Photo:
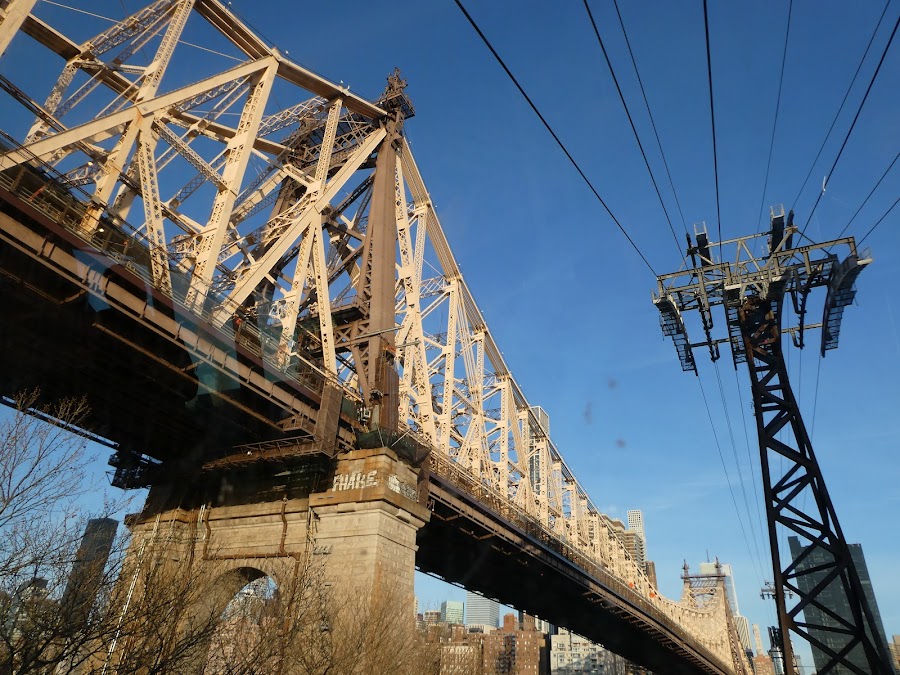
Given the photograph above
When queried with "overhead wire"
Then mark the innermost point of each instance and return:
(556, 138)
(737, 462)
(878, 222)
(631, 122)
(753, 467)
(737, 511)
(787, 33)
(712, 117)
(868, 196)
(754, 559)
(855, 119)
(637, 72)
(843, 103)
(81, 11)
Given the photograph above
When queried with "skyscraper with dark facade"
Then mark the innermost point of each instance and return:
(835, 600)
(87, 570)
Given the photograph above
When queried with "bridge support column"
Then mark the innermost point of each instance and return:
(340, 548)
(365, 527)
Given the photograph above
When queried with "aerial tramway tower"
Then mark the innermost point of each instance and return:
(754, 291)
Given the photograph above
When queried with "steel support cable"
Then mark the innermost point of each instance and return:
(843, 102)
(712, 117)
(631, 122)
(737, 511)
(553, 134)
(862, 104)
(872, 229)
(737, 463)
(756, 489)
(868, 196)
(637, 72)
(787, 33)
(812, 427)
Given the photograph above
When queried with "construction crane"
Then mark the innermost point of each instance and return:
(754, 290)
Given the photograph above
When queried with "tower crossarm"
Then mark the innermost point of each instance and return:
(781, 270)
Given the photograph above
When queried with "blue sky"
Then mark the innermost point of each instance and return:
(566, 297)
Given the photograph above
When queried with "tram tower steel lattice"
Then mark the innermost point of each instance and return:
(753, 290)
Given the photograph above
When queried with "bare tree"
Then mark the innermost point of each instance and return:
(43, 472)
(151, 608)
(126, 614)
(308, 627)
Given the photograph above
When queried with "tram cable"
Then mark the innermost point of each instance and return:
(868, 196)
(637, 72)
(841, 107)
(879, 221)
(855, 119)
(556, 138)
(712, 117)
(728, 481)
(787, 33)
(631, 122)
(737, 461)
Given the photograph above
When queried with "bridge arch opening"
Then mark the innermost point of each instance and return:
(250, 623)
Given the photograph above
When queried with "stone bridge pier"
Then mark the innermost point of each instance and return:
(342, 530)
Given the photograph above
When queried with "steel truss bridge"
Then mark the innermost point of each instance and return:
(237, 284)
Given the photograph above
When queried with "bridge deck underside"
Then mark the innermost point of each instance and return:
(146, 391)
(467, 544)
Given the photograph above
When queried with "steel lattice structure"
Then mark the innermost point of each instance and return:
(753, 291)
(309, 228)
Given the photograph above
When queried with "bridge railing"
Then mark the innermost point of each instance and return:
(490, 497)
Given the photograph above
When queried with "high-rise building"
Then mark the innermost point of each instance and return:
(481, 611)
(743, 631)
(87, 570)
(635, 539)
(636, 521)
(634, 544)
(572, 654)
(834, 598)
(432, 617)
(452, 611)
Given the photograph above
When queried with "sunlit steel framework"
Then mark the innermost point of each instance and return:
(306, 230)
(753, 290)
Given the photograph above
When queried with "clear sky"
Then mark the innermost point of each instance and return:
(566, 297)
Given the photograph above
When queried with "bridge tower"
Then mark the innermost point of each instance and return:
(754, 290)
(349, 507)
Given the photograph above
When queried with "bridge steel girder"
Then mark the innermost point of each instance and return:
(11, 19)
(243, 293)
(27, 233)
